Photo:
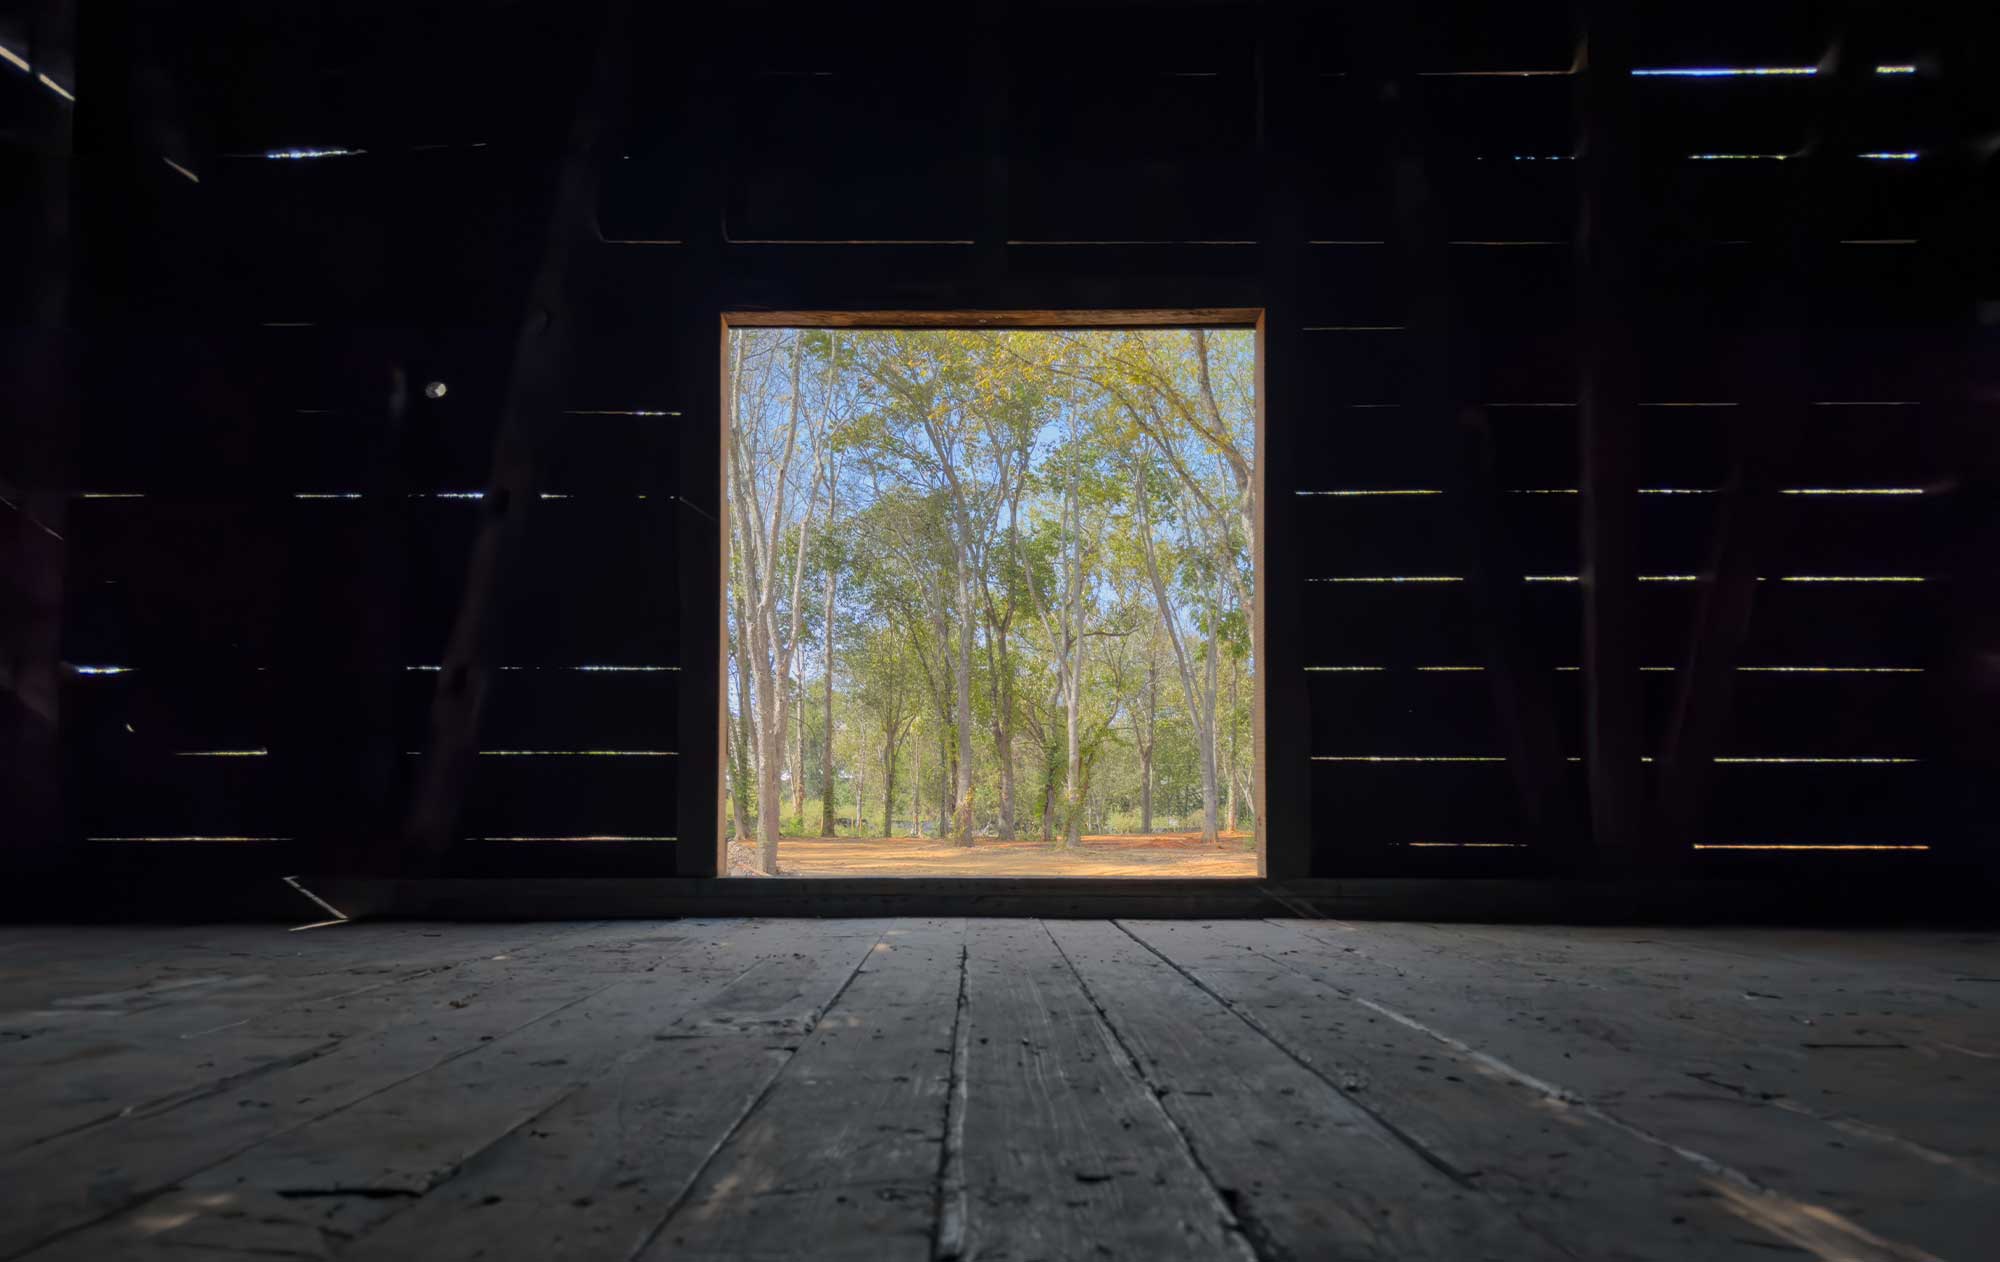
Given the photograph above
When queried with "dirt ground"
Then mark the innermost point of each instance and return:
(1156, 854)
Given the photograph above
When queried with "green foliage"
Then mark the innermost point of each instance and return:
(1025, 455)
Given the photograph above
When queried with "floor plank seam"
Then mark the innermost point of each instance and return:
(1802, 1223)
(1237, 1217)
(1851, 1126)
(693, 1181)
(1463, 1178)
(948, 1240)
(166, 1104)
(1855, 1127)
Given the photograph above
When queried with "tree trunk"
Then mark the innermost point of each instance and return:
(799, 756)
(1232, 745)
(1003, 748)
(1146, 747)
(962, 679)
(1003, 730)
(860, 797)
(774, 663)
(1049, 803)
(917, 790)
(1208, 794)
(1073, 769)
(1073, 685)
(1146, 789)
(889, 786)
(770, 757)
(1200, 699)
(732, 824)
(743, 747)
(826, 662)
(944, 783)
(1229, 799)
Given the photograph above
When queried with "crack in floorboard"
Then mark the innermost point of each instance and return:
(948, 1238)
(1467, 1179)
(1236, 1216)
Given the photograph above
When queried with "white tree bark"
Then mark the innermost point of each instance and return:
(773, 645)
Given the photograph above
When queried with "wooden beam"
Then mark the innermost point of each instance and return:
(701, 355)
(992, 89)
(1288, 846)
(530, 412)
(1608, 433)
(1083, 318)
(1962, 266)
(37, 447)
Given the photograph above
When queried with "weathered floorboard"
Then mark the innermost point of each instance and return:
(1308, 1172)
(90, 1059)
(1066, 1152)
(841, 1157)
(74, 1180)
(1672, 1077)
(325, 1183)
(1597, 1191)
(595, 1175)
(999, 1089)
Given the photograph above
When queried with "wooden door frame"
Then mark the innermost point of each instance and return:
(712, 860)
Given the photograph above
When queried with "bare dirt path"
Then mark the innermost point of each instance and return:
(1123, 855)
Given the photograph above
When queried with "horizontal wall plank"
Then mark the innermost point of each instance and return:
(534, 796)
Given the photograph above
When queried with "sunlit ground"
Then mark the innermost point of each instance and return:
(1155, 855)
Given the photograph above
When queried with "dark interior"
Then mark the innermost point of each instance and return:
(365, 383)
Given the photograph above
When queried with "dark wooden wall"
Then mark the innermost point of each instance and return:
(1522, 344)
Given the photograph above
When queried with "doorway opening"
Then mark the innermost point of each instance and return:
(990, 600)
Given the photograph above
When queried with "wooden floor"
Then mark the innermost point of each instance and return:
(998, 1089)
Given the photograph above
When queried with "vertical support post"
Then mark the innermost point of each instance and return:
(701, 522)
(36, 448)
(1962, 274)
(1607, 227)
(992, 85)
(1286, 841)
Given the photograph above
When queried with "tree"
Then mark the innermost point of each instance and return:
(1073, 542)
(1196, 667)
(888, 689)
(837, 402)
(768, 505)
(953, 421)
